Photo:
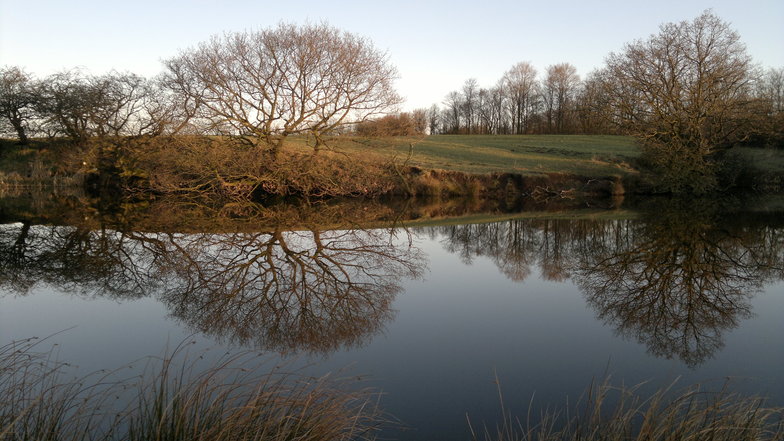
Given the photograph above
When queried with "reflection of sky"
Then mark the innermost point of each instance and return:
(437, 359)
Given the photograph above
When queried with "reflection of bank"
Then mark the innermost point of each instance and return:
(674, 280)
(285, 291)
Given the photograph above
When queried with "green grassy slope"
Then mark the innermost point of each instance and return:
(525, 154)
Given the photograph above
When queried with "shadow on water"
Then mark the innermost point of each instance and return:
(672, 275)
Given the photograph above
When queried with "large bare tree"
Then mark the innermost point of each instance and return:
(684, 92)
(266, 85)
(17, 99)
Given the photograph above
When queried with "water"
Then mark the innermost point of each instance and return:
(431, 313)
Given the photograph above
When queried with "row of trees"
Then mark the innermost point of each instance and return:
(560, 102)
(520, 103)
(257, 87)
(74, 105)
(691, 82)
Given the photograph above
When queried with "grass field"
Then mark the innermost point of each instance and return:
(524, 154)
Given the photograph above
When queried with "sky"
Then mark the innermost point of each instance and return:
(435, 45)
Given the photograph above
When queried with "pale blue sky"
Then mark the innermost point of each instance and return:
(436, 46)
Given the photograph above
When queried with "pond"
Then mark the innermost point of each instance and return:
(431, 305)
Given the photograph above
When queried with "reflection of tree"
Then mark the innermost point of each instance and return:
(280, 290)
(518, 245)
(74, 259)
(674, 281)
(284, 290)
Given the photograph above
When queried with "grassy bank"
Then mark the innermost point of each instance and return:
(588, 155)
(442, 165)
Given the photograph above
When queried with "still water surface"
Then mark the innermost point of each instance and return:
(428, 314)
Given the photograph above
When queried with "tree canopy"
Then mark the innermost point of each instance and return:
(269, 84)
(686, 92)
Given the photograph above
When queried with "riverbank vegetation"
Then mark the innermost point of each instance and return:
(503, 166)
(621, 413)
(173, 398)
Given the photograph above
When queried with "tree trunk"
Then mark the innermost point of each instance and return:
(318, 143)
(20, 131)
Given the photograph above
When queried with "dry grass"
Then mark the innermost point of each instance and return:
(609, 413)
(219, 168)
(174, 400)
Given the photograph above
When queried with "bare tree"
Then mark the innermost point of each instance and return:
(433, 118)
(773, 88)
(498, 112)
(264, 86)
(470, 103)
(521, 85)
(82, 106)
(452, 112)
(67, 100)
(592, 106)
(130, 105)
(419, 118)
(684, 92)
(770, 95)
(401, 124)
(491, 111)
(17, 99)
(560, 87)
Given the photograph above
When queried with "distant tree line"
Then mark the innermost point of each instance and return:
(524, 101)
(398, 124)
(691, 83)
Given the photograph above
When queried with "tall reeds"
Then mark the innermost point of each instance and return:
(620, 413)
(238, 398)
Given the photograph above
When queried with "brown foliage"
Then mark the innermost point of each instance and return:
(401, 124)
